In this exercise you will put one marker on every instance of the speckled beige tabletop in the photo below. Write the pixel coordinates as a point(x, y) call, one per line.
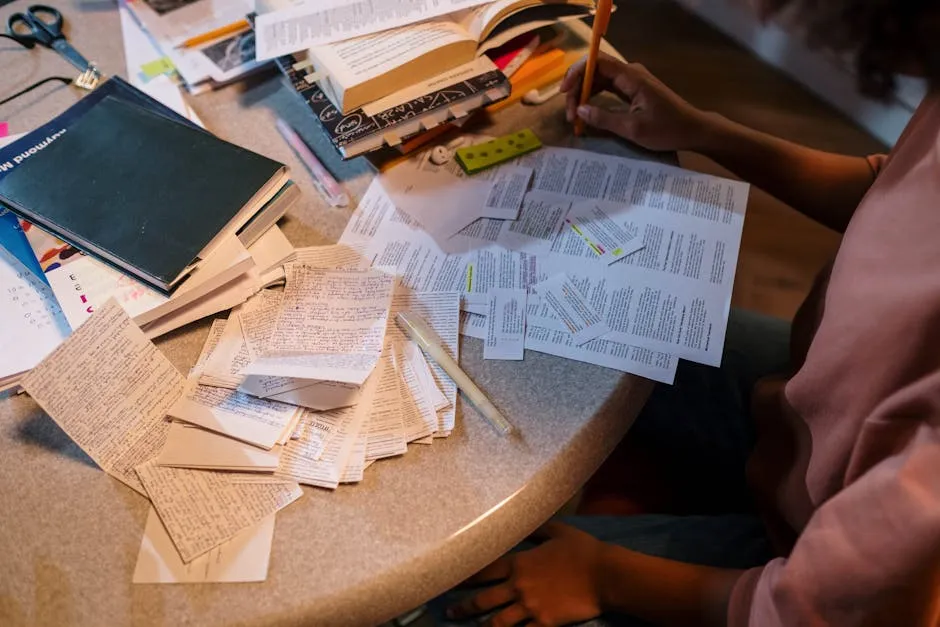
point(416, 525)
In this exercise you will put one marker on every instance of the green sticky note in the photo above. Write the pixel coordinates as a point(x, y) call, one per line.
point(481, 156)
point(163, 65)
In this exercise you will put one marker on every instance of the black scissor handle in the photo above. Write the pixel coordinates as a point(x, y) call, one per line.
point(21, 29)
point(39, 24)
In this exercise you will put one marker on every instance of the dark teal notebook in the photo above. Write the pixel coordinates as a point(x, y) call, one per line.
point(139, 191)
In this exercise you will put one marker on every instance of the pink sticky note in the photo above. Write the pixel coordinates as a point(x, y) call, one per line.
point(4, 129)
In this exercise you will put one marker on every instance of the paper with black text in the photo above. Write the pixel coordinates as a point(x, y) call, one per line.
point(109, 388)
point(216, 331)
point(202, 509)
point(225, 362)
point(609, 239)
point(298, 26)
point(31, 322)
point(357, 462)
point(445, 201)
point(442, 313)
point(234, 414)
point(496, 267)
point(538, 224)
point(243, 558)
point(228, 412)
point(601, 352)
point(566, 301)
point(691, 226)
point(418, 261)
point(392, 239)
point(257, 319)
point(226, 359)
point(418, 413)
point(505, 328)
point(473, 325)
point(330, 327)
point(323, 467)
point(385, 426)
point(331, 257)
point(655, 308)
point(416, 358)
point(313, 433)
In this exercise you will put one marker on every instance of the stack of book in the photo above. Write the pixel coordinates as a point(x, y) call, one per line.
point(120, 197)
point(375, 78)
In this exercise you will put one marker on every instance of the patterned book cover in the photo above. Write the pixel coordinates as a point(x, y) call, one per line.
point(357, 125)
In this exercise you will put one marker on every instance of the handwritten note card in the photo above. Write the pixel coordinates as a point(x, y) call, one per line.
point(109, 388)
point(202, 509)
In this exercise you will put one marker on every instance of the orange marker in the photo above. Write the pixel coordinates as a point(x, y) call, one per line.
point(601, 20)
point(218, 33)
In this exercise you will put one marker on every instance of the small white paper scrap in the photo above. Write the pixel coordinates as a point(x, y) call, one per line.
point(505, 198)
point(610, 240)
point(579, 317)
point(505, 325)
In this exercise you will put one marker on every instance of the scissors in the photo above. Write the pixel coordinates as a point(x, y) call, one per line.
point(41, 24)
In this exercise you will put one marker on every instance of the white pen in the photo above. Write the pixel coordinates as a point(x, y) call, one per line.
point(418, 330)
point(322, 179)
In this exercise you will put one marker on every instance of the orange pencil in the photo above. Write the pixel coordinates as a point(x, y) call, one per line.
point(217, 33)
point(601, 19)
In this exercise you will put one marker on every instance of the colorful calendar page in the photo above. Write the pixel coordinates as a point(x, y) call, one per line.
point(31, 322)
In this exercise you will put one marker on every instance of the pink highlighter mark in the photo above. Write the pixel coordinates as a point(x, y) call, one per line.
point(4, 129)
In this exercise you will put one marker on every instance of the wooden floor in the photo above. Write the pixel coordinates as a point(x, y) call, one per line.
point(782, 250)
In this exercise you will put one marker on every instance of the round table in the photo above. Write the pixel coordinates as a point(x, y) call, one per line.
point(415, 526)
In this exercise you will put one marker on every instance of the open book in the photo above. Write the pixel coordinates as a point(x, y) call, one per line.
point(363, 69)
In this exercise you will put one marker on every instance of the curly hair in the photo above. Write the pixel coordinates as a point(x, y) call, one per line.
point(884, 36)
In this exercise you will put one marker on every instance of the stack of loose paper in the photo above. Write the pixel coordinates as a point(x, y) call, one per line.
point(617, 262)
point(216, 462)
point(400, 399)
point(328, 325)
point(109, 388)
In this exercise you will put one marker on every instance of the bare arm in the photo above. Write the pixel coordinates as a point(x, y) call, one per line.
point(664, 592)
point(826, 187)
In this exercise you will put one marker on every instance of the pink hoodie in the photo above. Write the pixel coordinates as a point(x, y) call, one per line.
point(847, 465)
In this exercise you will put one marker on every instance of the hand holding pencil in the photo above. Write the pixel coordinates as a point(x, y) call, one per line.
point(655, 117)
point(601, 20)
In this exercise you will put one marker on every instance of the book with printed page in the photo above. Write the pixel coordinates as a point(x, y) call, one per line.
point(363, 69)
point(451, 96)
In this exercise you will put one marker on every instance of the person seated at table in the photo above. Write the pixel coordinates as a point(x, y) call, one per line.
point(837, 416)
